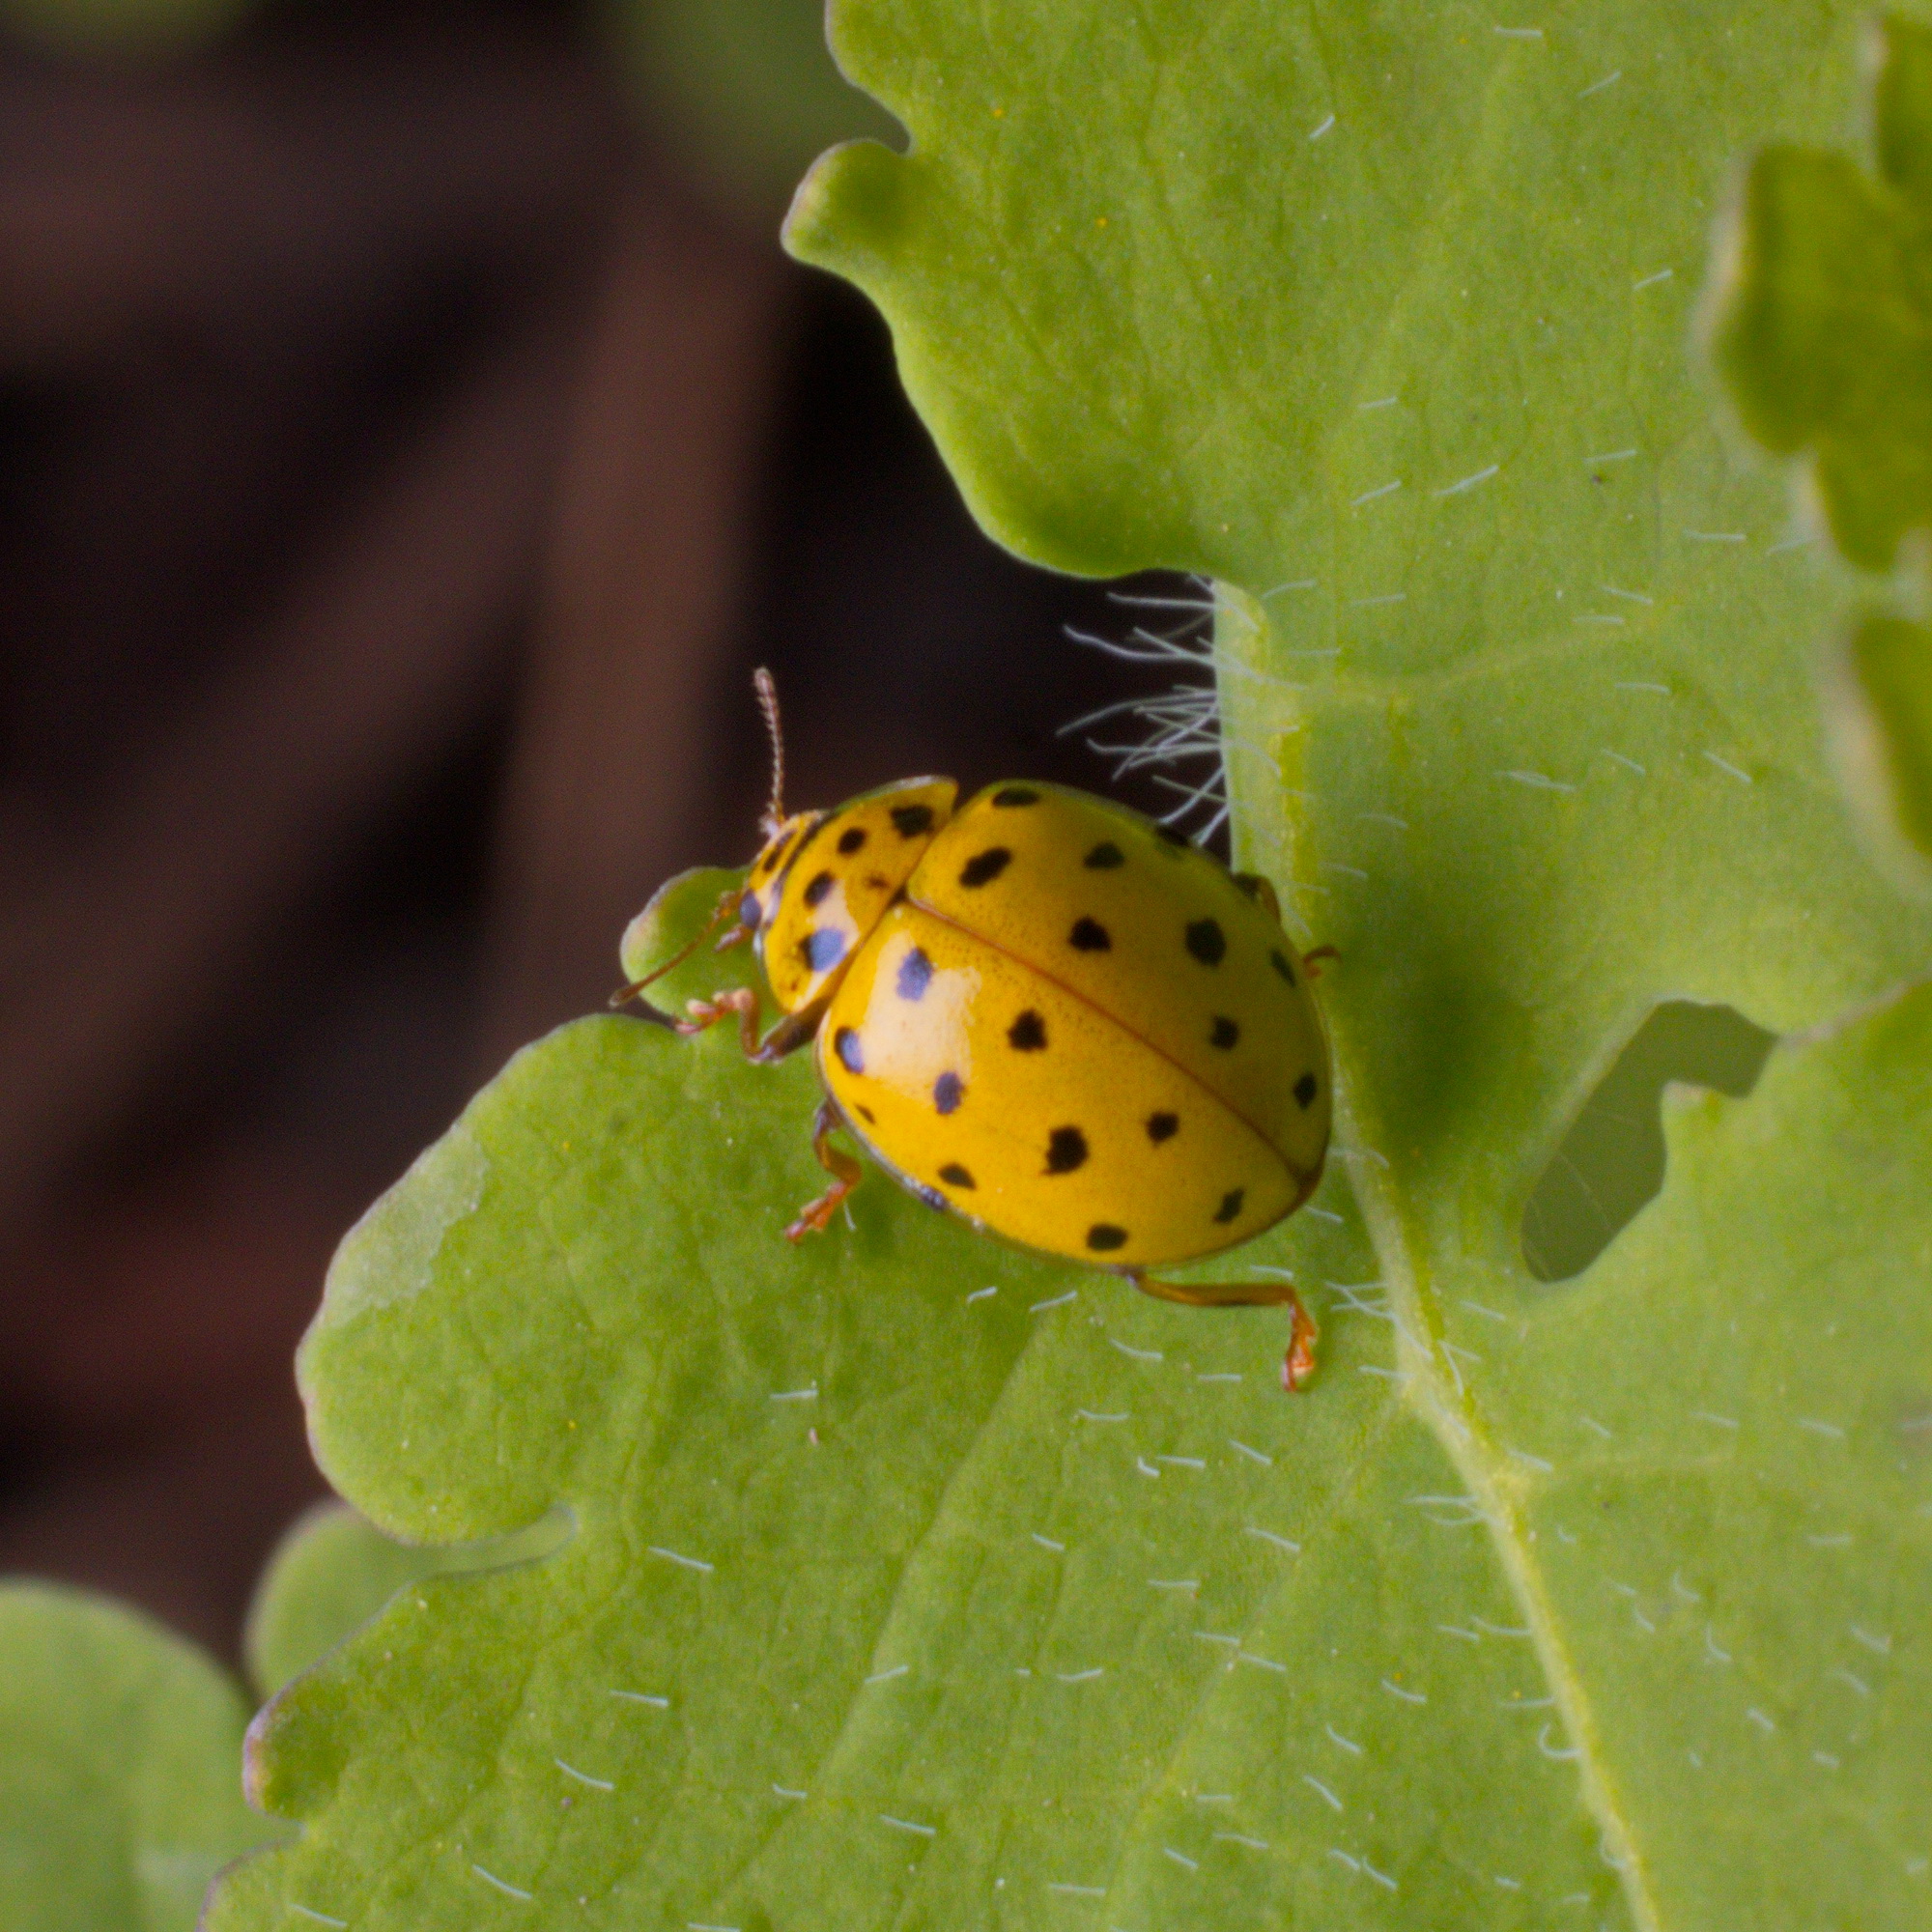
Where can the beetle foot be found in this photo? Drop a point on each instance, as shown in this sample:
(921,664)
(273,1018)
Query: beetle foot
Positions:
(740,1000)
(815,1216)
(1298,1365)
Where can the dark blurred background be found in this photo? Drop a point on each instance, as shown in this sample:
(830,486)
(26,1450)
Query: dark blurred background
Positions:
(410,438)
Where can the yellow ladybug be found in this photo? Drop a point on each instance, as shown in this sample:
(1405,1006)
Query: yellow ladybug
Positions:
(1044,1013)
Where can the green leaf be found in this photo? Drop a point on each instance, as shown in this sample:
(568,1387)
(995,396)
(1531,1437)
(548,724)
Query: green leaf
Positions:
(783,1467)
(675,936)
(333,1572)
(1820,316)
(1380,324)
(1735,1548)
(895,1602)
(120,1769)
(1290,1606)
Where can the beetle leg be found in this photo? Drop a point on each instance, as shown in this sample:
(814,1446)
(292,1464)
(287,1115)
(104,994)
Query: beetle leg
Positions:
(740,1000)
(1299,1364)
(1308,959)
(846,1173)
(793,1030)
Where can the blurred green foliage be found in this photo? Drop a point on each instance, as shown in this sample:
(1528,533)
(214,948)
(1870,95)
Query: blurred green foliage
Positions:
(120,1768)
(1819,320)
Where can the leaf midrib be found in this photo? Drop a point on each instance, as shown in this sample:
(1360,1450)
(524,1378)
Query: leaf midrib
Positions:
(1451,1414)
(1453,1417)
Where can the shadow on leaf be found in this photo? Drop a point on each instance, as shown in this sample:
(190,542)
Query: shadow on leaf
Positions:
(1610,1163)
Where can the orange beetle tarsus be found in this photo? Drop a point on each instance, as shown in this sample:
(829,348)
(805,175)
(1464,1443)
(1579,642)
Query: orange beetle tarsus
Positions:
(740,1000)
(816,1215)
(1298,1365)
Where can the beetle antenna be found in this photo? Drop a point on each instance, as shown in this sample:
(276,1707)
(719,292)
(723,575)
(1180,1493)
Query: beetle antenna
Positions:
(768,703)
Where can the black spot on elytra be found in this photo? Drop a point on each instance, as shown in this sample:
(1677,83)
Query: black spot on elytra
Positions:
(948,1091)
(956,1175)
(850,839)
(1304,1090)
(1231,1205)
(1104,857)
(1027,1034)
(1103,1237)
(1224,1033)
(986,867)
(1162,1127)
(822,948)
(1089,935)
(1011,795)
(1065,1149)
(914,975)
(866,1115)
(1207,942)
(1248,884)
(1175,841)
(1279,962)
(877,882)
(931,1196)
(912,821)
(851,1054)
(815,891)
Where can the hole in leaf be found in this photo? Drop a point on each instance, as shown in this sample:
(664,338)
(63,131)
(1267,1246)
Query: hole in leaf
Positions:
(1610,1163)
